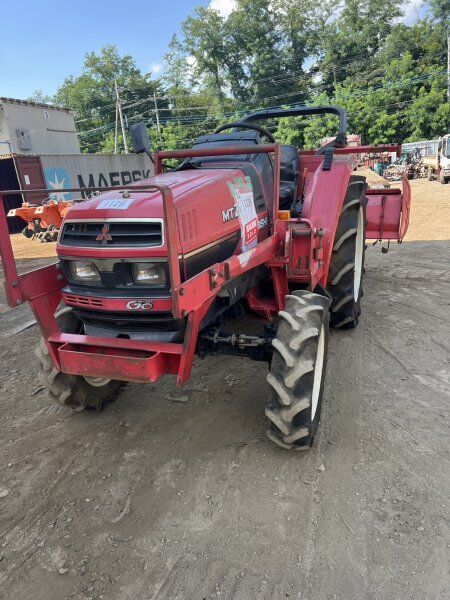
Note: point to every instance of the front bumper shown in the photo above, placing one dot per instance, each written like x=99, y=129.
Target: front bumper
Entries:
x=135, y=318
x=121, y=359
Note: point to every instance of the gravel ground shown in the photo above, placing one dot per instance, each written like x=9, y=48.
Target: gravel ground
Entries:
x=176, y=494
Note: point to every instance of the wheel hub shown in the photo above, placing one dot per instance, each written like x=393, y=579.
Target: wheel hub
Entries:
x=97, y=381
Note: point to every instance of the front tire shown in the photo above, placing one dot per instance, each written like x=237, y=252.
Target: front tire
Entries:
x=73, y=391
x=347, y=259
x=443, y=179
x=297, y=371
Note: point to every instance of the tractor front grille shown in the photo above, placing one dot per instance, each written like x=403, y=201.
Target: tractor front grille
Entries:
x=161, y=326
x=112, y=234
x=85, y=301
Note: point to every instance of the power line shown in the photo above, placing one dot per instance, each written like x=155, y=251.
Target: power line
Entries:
x=196, y=118
x=273, y=128
x=260, y=101
x=278, y=79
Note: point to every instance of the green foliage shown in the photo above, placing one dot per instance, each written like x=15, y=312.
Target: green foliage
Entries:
x=290, y=131
x=39, y=96
x=388, y=75
x=92, y=95
x=440, y=11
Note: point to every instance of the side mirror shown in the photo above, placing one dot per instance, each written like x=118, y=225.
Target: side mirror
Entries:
x=140, y=139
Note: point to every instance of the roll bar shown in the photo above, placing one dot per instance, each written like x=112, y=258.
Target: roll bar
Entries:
x=272, y=113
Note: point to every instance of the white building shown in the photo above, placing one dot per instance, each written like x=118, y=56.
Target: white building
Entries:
x=28, y=127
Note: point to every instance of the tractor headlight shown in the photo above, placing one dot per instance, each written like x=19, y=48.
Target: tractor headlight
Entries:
x=149, y=274
x=83, y=271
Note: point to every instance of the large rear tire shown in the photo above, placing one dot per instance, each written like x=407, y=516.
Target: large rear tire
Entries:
x=73, y=391
x=297, y=371
x=347, y=259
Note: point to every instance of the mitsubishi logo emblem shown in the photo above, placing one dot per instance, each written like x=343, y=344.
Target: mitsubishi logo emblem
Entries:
x=104, y=236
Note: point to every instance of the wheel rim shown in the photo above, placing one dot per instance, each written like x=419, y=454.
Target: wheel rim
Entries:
x=318, y=373
x=359, y=253
x=97, y=381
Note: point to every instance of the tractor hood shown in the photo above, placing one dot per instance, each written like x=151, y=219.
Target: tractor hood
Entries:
x=204, y=205
x=144, y=204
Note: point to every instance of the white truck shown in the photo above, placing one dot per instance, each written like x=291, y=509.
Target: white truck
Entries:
x=437, y=166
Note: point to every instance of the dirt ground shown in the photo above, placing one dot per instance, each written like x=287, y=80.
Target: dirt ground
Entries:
x=162, y=498
x=430, y=214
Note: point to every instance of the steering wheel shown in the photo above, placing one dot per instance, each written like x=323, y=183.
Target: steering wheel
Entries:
x=244, y=125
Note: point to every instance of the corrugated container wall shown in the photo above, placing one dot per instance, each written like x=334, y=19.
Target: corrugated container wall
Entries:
x=93, y=170
x=63, y=171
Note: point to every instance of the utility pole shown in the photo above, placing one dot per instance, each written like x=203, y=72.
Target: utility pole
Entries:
x=116, y=130
x=119, y=106
x=158, y=125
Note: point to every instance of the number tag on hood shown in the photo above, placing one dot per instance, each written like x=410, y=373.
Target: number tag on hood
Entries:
x=114, y=204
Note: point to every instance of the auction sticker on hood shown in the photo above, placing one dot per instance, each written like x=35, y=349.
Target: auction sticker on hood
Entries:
x=114, y=204
x=242, y=191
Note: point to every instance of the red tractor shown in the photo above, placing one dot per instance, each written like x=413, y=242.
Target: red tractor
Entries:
x=153, y=274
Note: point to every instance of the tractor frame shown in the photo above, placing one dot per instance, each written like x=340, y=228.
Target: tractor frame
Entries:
x=296, y=252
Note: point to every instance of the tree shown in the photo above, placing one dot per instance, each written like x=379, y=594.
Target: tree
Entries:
x=388, y=75
x=176, y=69
x=440, y=11
x=254, y=34
x=301, y=22
x=204, y=40
x=40, y=96
x=349, y=44
x=250, y=53
x=92, y=95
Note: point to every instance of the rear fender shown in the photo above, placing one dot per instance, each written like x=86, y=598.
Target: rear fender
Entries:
x=322, y=208
x=388, y=212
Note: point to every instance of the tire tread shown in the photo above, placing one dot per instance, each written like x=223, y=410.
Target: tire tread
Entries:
x=291, y=375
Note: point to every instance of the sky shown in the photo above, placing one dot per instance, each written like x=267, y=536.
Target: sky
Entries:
x=43, y=41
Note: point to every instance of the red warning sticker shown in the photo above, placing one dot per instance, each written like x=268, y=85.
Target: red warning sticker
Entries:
x=242, y=191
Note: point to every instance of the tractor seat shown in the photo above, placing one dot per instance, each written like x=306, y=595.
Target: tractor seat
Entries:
x=289, y=172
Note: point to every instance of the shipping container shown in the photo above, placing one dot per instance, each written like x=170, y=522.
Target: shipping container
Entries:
x=63, y=171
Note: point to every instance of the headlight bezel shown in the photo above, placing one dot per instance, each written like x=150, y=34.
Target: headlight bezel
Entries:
x=117, y=274
x=158, y=282
x=75, y=274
